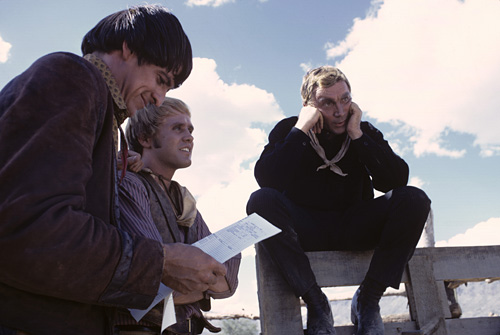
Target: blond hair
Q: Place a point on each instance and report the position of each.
(145, 123)
(323, 76)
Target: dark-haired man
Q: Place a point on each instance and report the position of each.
(317, 174)
(65, 263)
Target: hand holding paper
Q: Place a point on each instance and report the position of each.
(187, 269)
(222, 245)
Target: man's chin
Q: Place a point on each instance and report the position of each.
(131, 110)
(337, 130)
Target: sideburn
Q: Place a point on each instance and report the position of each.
(156, 143)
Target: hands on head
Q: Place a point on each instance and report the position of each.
(354, 124)
(187, 269)
(311, 118)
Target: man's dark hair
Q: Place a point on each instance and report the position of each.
(151, 32)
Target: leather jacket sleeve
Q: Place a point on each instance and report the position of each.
(58, 233)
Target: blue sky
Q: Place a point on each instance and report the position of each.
(425, 72)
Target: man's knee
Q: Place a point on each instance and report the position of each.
(414, 197)
(261, 200)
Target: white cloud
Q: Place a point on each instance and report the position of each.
(432, 65)
(213, 3)
(484, 233)
(227, 142)
(305, 66)
(4, 50)
(417, 182)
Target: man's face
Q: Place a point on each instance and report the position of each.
(334, 103)
(172, 144)
(143, 84)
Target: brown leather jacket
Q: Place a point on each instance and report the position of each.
(64, 264)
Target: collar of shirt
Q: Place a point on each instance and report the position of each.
(120, 106)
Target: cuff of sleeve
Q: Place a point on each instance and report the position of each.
(138, 275)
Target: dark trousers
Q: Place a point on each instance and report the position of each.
(390, 224)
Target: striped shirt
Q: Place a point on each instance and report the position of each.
(136, 219)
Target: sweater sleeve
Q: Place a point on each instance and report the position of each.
(280, 162)
(386, 169)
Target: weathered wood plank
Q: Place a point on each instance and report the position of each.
(348, 268)
(480, 326)
(481, 262)
(392, 328)
(279, 308)
(465, 326)
(428, 303)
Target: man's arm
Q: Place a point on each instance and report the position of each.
(52, 116)
(280, 162)
(387, 169)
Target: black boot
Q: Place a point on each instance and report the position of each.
(365, 309)
(319, 313)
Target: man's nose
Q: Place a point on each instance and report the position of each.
(189, 137)
(159, 96)
(339, 109)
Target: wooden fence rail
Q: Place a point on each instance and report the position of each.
(429, 267)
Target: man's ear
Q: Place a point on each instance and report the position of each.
(146, 142)
(126, 52)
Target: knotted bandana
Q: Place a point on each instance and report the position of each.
(321, 153)
(183, 202)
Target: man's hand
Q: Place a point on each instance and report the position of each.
(310, 118)
(134, 162)
(354, 124)
(182, 299)
(187, 268)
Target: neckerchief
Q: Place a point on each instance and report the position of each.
(321, 153)
(120, 108)
(182, 200)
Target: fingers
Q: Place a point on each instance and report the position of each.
(134, 162)
(354, 124)
(219, 270)
(309, 118)
(355, 109)
(187, 268)
(319, 125)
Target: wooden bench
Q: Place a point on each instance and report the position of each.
(429, 312)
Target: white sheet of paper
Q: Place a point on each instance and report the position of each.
(222, 245)
(163, 291)
(230, 241)
(168, 313)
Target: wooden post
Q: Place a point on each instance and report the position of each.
(428, 312)
(279, 307)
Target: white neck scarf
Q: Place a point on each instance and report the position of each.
(321, 153)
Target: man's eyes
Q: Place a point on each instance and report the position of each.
(328, 102)
(325, 103)
(164, 82)
(181, 128)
